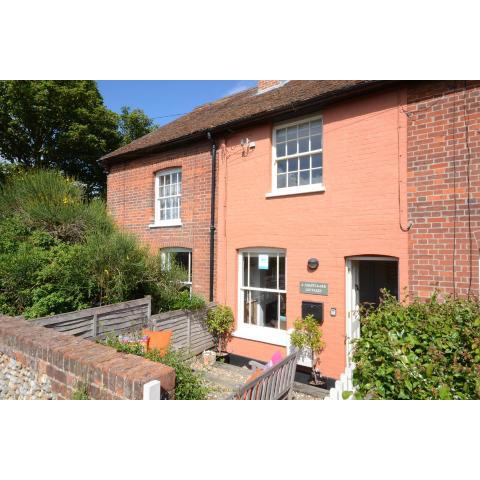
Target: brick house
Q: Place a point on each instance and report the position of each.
(324, 192)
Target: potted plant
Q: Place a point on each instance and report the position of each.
(220, 323)
(307, 336)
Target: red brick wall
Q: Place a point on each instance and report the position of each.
(69, 360)
(440, 241)
(131, 198)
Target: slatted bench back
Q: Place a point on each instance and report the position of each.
(275, 384)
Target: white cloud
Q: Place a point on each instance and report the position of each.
(238, 87)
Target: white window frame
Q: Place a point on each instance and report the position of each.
(274, 336)
(316, 187)
(166, 262)
(174, 222)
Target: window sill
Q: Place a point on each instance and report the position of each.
(283, 192)
(167, 223)
(273, 336)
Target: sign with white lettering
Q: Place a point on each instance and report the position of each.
(263, 262)
(314, 288)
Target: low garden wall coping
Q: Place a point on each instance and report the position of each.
(69, 361)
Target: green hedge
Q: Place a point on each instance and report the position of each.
(60, 252)
(422, 350)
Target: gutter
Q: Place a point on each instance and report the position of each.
(212, 213)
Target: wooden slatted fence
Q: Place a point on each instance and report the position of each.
(100, 321)
(188, 327)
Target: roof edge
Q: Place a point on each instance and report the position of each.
(339, 95)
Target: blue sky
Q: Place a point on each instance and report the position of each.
(158, 98)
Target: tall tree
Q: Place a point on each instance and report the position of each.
(134, 124)
(58, 124)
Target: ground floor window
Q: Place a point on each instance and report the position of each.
(180, 258)
(262, 291)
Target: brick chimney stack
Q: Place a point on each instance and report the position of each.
(264, 85)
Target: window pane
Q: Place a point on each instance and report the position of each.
(282, 166)
(303, 145)
(292, 148)
(281, 271)
(283, 311)
(305, 177)
(162, 204)
(292, 133)
(254, 275)
(281, 181)
(281, 149)
(181, 259)
(281, 135)
(175, 213)
(161, 192)
(293, 164)
(245, 271)
(317, 160)
(264, 307)
(305, 163)
(303, 130)
(293, 179)
(162, 214)
(260, 278)
(315, 127)
(317, 175)
(167, 179)
(246, 306)
(316, 142)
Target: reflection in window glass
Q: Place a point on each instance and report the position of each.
(263, 289)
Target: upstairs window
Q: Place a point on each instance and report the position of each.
(298, 156)
(168, 194)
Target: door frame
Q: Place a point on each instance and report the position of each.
(352, 304)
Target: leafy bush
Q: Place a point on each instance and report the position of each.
(60, 252)
(421, 350)
(220, 324)
(189, 384)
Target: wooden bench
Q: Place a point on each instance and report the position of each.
(274, 384)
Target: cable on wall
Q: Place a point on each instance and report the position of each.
(410, 224)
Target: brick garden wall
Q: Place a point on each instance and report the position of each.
(36, 362)
(131, 198)
(443, 248)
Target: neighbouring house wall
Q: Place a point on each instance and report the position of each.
(441, 241)
(40, 362)
(358, 214)
(131, 199)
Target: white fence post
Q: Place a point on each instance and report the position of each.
(151, 390)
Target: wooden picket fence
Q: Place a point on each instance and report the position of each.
(344, 384)
(188, 327)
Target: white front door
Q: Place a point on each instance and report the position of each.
(352, 306)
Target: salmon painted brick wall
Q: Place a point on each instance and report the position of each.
(130, 199)
(440, 160)
(358, 214)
